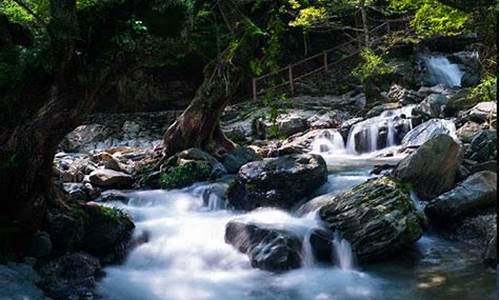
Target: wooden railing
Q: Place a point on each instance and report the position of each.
(321, 62)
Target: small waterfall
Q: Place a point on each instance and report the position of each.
(342, 253)
(329, 142)
(441, 70)
(365, 136)
(308, 259)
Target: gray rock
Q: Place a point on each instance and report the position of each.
(490, 256)
(237, 158)
(478, 191)
(81, 192)
(483, 146)
(217, 168)
(425, 131)
(71, 276)
(432, 168)
(377, 217)
(84, 134)
(106, 178)
(467, 131)
(275, 247)
(434, 105)
(300, 144)
(483, 111)
(291, 123)
(403, 96)
(279, 182)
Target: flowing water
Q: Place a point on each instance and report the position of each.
(440, 70)
(185, 256)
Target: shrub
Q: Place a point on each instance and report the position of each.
(373, 66)
(486, 90)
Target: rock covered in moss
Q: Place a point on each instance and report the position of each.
(432, 168)
(237, 158)
(377, 217)
(277, 182)
(185, 174)
(107, 232)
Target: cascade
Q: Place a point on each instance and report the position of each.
(342, 252)
(329, 142)
(366, 136)
(440, 70)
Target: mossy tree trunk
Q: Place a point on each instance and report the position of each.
(199, 124)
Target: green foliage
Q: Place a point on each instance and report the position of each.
(432, 18)
(486, 90)
(373, 66)
(185, 174)
(273, 103)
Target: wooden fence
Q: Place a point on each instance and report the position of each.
(286, 77)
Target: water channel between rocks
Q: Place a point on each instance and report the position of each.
(186, 257)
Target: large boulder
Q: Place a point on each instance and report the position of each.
(278, 182)
(71, 276)
(425, 131)
(274, 247)
(432, 168)
(106, 178)
(478, 191)
(403, 96)
(376, 217)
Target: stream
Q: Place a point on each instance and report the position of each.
(186, 258)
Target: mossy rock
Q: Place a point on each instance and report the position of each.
(185, 174)
(377, 217)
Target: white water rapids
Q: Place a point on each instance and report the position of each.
(442, 71)
(184, 256)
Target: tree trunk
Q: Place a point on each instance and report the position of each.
(362, 7)
(199, 125)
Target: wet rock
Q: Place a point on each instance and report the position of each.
(41, 245)
(483, 146)
(110, 162)
(105, 178)
(107, 232)
(81, 192)
(279, 182)
(291, 123)
(483, 111)
(467, 131)
(459, 101)
(403, 96)
(237, 158)
(477, 192)
(275, 247)
(432, 168)
(268, 249)
(377, 218)
(425, 131)
(434, 105)
(71, 276)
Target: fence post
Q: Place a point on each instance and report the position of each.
(325, 60)
(254, 89)
(290, 78)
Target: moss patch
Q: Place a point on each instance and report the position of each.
(185, 174)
